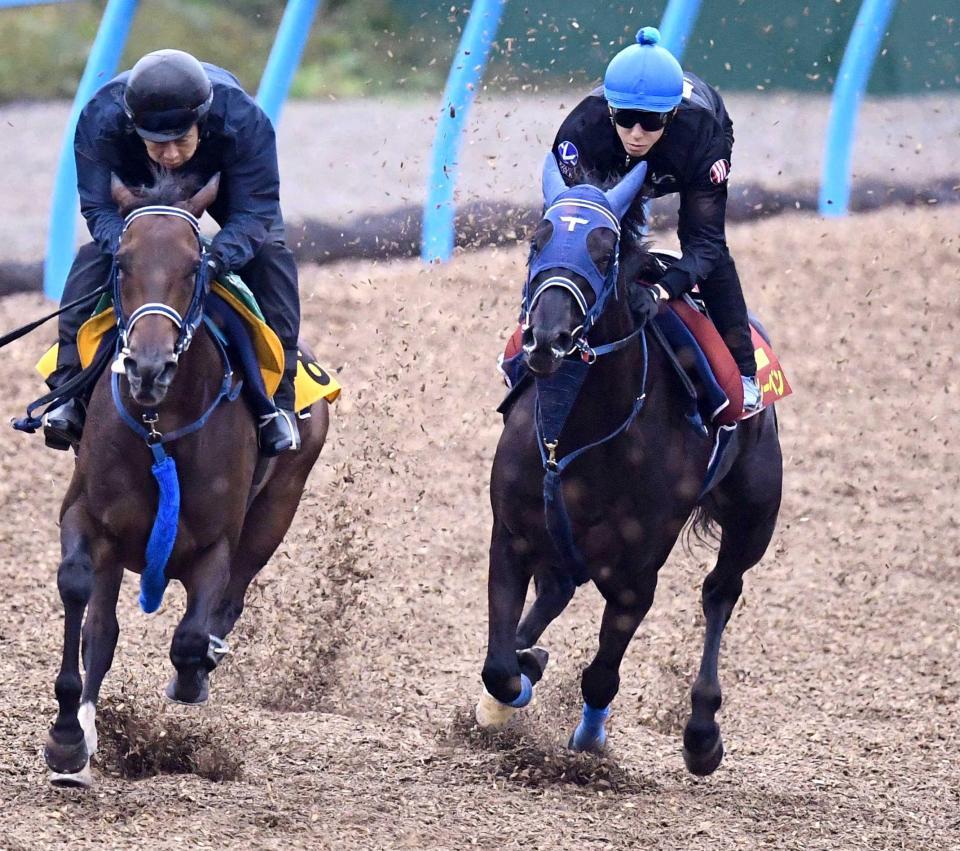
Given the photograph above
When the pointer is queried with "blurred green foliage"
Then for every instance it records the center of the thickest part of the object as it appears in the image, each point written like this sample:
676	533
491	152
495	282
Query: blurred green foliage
370	47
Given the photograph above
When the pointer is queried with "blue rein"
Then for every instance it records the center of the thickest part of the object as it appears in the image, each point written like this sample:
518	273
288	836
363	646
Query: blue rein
163	534
550	420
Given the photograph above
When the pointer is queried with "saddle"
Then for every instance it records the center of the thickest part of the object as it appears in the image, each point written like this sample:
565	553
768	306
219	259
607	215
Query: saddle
253	347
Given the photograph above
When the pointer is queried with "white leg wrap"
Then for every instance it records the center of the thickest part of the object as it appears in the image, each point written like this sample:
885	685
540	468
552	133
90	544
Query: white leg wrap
491	713
87	716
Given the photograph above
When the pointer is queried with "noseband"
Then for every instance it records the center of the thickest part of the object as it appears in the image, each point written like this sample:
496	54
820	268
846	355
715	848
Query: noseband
187	324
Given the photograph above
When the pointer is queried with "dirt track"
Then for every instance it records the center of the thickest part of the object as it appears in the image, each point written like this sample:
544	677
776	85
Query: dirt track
344	717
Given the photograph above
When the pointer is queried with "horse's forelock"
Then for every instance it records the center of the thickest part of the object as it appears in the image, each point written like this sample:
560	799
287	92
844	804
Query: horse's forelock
168	189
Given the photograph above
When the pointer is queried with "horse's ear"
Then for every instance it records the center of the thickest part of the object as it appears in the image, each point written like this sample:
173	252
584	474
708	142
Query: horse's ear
552	181
621	196
124	198
204	198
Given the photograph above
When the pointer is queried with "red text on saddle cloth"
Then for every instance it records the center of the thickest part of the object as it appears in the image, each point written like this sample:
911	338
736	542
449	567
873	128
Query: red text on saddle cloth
773	383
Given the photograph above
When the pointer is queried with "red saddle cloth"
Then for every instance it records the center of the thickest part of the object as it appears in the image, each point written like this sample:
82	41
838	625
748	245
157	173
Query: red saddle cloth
773	382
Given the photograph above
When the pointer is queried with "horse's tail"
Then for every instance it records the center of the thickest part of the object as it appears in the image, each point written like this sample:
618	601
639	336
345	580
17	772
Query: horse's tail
702	528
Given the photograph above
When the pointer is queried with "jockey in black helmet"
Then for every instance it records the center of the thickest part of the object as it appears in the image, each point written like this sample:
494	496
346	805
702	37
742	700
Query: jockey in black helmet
172	111
649	110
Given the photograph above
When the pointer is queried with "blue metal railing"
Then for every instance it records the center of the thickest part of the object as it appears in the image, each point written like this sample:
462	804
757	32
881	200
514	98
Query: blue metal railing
101	66
285	55
677	23
858	59
466	72
9	4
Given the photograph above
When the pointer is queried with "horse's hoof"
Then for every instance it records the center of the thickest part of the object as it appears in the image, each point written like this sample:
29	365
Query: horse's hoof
67	760
491	714
597	744
82	779
195	696
703	764
533	662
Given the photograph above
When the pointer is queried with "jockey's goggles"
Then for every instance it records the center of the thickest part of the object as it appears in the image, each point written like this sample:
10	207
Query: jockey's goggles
650	121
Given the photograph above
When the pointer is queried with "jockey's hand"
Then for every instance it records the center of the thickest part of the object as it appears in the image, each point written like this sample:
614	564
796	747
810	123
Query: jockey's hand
214	269
644	302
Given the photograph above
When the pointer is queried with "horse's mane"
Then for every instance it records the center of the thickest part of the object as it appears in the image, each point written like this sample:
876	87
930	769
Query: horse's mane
168	189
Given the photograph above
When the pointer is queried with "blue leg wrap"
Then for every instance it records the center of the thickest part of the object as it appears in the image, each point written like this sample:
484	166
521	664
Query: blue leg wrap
526	693
590	734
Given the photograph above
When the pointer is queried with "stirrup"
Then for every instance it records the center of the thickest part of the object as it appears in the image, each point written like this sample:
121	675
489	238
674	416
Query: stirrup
752	394
278	432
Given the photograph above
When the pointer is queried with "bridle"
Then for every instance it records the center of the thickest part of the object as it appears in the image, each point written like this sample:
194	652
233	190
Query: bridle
187	324
562	251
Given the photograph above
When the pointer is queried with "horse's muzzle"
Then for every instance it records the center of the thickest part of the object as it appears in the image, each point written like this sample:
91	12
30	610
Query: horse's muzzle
149	379
545	350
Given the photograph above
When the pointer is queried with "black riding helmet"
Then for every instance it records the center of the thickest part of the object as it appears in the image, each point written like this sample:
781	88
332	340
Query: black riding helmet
167	92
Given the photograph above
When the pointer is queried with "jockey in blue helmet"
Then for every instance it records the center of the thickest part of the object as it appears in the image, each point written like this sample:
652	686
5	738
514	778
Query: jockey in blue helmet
649	111
171	111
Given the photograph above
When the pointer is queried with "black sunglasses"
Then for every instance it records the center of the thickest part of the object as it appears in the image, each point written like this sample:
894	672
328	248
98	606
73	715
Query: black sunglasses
650	121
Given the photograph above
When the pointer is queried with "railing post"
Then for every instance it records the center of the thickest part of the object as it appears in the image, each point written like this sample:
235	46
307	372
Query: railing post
677	23
858	59
466	71
285	56
101	66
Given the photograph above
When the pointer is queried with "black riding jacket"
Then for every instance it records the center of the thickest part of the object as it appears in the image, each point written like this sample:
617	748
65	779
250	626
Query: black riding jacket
236	139
692	158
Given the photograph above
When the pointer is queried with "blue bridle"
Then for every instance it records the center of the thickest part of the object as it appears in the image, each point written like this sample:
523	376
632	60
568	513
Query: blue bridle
163	534
575	213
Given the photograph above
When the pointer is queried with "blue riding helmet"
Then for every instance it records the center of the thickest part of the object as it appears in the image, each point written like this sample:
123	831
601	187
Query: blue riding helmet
644	76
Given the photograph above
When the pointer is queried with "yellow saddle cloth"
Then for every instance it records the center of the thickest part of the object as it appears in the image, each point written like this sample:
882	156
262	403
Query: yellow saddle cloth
312	383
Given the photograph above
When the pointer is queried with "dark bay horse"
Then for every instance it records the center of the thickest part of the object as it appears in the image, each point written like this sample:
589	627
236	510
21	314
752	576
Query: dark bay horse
597	471
169	376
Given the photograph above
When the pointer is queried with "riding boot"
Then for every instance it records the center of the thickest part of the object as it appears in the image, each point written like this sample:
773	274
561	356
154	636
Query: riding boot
723	296
278	432
63	424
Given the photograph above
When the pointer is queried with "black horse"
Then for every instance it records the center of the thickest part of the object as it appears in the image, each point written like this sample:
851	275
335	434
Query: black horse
598	470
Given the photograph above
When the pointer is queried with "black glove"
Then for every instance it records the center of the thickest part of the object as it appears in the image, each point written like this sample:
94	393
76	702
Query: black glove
644	302
214	269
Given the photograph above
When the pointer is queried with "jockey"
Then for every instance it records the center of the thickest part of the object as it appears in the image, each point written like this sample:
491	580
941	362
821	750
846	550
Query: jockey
649	110
172	111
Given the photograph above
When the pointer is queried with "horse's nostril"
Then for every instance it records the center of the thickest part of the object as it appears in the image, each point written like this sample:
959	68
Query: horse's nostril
166	374
564	342
526	337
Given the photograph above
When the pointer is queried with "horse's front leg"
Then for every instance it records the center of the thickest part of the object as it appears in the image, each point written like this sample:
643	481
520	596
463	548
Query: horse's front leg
192	650
100	633
506	689
66	751
626	607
